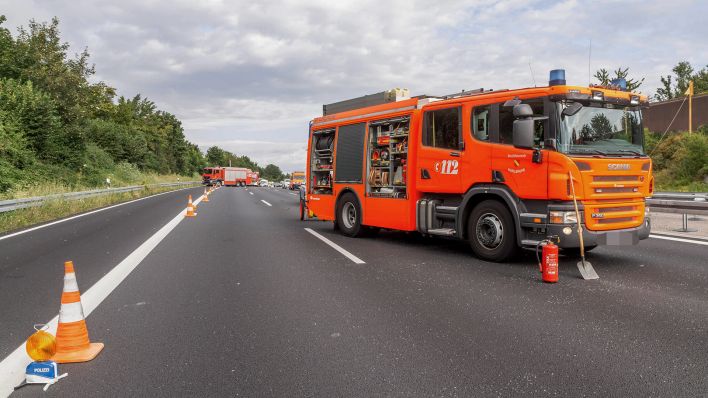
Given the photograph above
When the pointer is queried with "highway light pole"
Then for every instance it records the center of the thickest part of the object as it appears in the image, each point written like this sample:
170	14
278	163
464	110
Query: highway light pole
689	92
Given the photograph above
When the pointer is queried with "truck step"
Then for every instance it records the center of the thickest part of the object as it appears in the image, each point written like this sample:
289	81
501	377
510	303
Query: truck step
442	231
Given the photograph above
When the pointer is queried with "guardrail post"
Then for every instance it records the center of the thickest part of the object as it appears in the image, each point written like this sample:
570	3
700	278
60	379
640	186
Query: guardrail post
684	228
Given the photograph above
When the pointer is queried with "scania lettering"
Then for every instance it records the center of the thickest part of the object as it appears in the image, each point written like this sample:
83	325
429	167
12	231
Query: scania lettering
488	167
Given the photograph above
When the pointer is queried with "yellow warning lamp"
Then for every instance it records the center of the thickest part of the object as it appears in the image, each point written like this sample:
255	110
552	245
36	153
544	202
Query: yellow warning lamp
41	346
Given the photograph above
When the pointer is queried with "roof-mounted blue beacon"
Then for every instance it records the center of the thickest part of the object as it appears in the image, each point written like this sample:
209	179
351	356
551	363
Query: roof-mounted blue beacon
557	77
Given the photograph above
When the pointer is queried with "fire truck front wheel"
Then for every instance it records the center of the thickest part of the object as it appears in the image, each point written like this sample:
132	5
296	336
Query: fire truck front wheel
491	231
349	215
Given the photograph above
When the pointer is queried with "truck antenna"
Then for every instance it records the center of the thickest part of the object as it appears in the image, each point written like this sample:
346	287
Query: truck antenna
589	60
532	76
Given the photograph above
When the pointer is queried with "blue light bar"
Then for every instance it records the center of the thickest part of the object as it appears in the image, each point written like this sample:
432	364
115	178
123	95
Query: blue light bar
619	82
557	77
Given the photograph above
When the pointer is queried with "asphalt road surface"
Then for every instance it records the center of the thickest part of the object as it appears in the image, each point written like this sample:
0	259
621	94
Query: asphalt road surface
244	301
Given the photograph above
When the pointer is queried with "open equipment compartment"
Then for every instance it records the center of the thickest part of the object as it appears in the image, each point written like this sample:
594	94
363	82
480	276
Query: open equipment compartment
388	158
322	161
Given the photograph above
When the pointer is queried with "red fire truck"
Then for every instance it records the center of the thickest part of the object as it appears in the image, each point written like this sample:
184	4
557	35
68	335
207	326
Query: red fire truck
495	168
229	176
213	176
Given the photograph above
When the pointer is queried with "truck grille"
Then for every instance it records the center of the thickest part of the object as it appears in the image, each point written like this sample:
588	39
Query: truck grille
604	216
608	186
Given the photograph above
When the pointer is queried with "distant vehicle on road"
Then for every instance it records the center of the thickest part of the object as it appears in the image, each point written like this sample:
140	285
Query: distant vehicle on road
229	176
297	179
213	176
286	183
252	178
263	182
236	176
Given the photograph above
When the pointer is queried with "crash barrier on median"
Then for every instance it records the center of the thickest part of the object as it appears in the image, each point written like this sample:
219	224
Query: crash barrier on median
16	204
683	203
73	343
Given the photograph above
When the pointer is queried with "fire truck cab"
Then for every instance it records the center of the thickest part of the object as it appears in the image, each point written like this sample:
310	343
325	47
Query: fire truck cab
494	168
213	176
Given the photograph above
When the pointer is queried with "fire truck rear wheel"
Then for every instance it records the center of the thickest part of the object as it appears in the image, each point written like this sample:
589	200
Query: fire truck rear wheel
491	231
349	215
302	210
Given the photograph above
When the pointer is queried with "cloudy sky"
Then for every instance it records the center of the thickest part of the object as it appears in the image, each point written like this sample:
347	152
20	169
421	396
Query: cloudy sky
249	75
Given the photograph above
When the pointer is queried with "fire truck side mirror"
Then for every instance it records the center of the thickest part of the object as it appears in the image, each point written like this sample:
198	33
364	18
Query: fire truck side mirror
523	133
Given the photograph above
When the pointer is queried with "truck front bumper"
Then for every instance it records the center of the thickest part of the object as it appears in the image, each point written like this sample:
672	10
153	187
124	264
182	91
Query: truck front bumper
619	237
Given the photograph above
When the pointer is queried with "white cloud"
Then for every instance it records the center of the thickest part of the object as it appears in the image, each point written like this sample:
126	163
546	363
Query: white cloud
238	71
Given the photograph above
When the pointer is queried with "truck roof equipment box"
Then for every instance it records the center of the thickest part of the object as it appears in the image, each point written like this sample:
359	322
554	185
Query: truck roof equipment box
393	95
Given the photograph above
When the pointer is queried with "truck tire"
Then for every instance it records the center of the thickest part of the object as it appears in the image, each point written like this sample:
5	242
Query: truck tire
302	210
491	231
349	215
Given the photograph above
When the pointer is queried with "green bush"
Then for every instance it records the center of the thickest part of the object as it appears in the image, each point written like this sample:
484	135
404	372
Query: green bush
97	166
692	157
680	160
127	173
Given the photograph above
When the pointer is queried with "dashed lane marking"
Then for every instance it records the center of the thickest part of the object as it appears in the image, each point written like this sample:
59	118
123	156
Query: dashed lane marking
251	193
336	247
697	242
267	204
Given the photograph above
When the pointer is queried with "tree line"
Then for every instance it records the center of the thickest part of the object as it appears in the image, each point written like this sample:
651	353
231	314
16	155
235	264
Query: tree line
58	125
672	85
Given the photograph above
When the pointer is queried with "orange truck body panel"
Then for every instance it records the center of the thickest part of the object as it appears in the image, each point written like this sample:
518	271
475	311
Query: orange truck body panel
616	193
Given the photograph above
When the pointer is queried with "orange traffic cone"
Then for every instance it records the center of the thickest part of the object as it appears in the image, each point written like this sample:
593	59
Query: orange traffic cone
206	195
190	208
73	344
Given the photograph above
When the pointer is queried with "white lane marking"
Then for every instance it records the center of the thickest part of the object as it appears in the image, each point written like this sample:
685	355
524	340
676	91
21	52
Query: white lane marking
251	193
336	247
705	243
12	368
24	231
268	204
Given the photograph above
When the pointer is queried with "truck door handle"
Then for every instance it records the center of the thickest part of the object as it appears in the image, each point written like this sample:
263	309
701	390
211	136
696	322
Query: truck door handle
424	174
455	154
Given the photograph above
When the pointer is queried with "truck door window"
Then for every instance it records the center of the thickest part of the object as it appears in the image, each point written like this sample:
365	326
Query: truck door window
480	122
442	128
506	123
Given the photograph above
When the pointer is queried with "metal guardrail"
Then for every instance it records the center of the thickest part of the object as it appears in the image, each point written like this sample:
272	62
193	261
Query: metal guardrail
15	204
684	203
683	196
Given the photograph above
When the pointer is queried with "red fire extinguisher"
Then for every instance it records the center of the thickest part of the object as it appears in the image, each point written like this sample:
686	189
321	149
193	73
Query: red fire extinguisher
549	262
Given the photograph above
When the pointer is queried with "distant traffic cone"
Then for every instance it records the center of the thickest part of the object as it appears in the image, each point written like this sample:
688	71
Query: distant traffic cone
73	344
190	208
206	195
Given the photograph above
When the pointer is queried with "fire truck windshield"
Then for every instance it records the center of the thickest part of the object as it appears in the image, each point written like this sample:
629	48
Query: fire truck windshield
601	129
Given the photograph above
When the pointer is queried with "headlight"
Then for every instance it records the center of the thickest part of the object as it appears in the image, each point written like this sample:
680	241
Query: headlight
563	217
647	214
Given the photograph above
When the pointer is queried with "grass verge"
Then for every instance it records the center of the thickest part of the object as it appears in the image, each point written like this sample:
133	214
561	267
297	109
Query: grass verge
56	209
